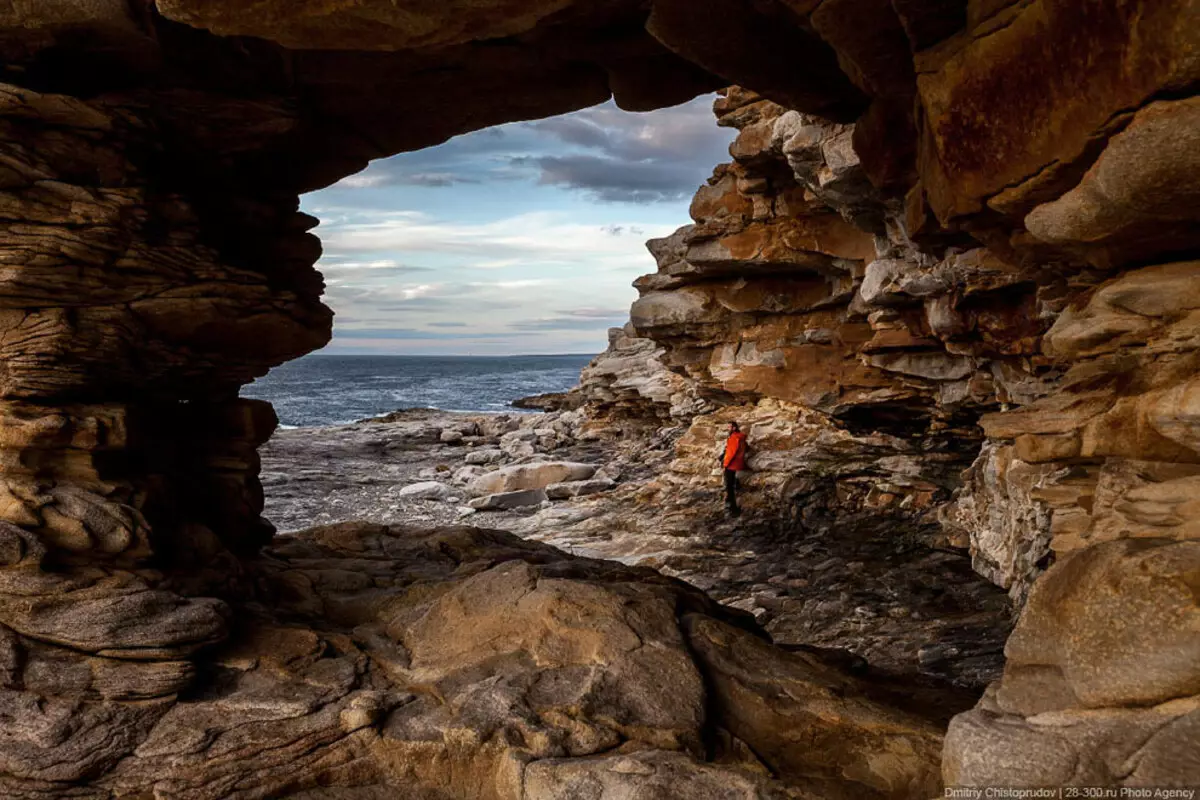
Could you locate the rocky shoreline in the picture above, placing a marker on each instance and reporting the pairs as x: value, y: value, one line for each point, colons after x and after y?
x: 888, y: 595
x: 948, y: 284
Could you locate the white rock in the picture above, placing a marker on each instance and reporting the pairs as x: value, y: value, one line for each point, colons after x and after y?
x: 451, y: 436
x: 494, y: 427
x: 518, y: 444
x: 427, y: 490
x: 680, y: 307
x: 464, y: 475
x: 889, y: 281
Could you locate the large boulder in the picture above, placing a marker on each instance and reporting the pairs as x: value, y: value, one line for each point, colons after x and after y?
x: 1102, y: 684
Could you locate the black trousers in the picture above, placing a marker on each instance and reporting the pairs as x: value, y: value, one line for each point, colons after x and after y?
x: 731, y: 489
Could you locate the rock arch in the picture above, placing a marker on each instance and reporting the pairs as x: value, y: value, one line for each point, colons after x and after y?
x: 153, y: 260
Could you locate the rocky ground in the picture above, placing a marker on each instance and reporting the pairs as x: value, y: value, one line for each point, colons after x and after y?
x: 879, y: 592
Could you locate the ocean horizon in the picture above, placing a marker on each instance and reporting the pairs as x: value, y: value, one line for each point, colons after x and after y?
x: 329, y: 389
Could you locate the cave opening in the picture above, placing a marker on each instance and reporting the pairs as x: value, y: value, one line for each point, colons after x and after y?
x: 997, y: 204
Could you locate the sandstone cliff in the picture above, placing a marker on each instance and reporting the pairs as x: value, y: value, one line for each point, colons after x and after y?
x: 954, y: 233
x: 1022, y: 400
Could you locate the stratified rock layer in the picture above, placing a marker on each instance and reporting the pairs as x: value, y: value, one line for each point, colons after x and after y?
x: 938, y: 214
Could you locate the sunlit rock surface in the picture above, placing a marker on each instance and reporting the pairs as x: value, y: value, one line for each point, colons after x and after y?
x: 445, y: 662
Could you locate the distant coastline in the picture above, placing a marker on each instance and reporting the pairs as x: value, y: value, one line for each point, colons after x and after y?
x: 447, y: 355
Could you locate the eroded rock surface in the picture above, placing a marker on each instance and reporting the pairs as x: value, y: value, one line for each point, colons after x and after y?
x: 448, y: 662
x: 952, y: 235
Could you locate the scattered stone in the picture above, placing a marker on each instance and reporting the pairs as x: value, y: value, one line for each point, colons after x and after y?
x: 487, y: 456
x: 464, y: 475
x: 518, y: 444
x: 503, y: 501
x: 427, y: 490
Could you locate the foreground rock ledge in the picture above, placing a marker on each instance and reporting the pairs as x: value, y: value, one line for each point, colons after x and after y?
x: 371, y: 661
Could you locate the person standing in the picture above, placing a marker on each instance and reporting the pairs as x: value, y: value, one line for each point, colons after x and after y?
x: 733, y: 461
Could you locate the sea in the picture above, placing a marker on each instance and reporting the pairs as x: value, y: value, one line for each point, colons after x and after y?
x: 333, y: 390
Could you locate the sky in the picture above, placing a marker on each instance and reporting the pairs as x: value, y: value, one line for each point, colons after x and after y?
x: 523, y: 238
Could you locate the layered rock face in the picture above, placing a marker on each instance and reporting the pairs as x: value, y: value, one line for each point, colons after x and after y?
x: 856, y: 361
x: 862, y: 334
x: 628, y: 382
x: 938, y: 213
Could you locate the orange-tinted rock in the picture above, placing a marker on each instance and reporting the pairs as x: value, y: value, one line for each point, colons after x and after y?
x: 1018, y: 100
x: 1139, y: 200
x: 861, y: 307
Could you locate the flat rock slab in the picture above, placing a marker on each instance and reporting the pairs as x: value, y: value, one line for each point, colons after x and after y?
x: 502, y: 501
x: 427, y: 490
x: 569, y: 489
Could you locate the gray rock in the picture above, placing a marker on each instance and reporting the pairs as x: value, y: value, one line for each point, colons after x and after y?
x: 518, y: 444
x: 568, y: 489
x: 507, y: 500
x: 464, y: 475
x: 488, y: 456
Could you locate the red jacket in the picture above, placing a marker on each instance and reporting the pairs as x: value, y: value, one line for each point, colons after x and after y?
x: 735, y: 451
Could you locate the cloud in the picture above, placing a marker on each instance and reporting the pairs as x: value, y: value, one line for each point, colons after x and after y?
x: 473, y: 158
x: 576, y: 319
x: 522, y: 238
x: 610, y: 181
x: 373, y: 270
x: 570, y: 323
x: 621, y: 230
x: 685, y: 132
x: 610, y: 155
x: 615, y: 156
x: 518, y: 284
x: 544, y: 237
x: 595, y: 313
x: 380, y: 177
x: 412, y: 334
x: 554, y: 279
